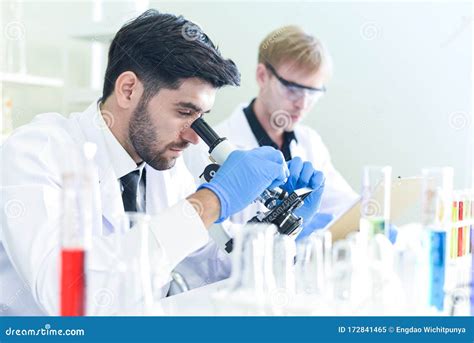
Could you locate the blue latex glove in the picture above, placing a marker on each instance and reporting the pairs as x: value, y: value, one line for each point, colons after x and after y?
x: 319, y: 221
x: 302, y: 174
x: 244, y: 176
x: 392, y: 233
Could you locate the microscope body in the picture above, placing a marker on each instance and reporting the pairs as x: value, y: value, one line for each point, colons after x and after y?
x: 280, y: 204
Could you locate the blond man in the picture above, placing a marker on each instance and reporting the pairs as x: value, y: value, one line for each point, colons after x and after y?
x: 292, y: 71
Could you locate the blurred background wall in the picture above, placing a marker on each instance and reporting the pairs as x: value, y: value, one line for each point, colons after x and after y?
x: 401, y: 93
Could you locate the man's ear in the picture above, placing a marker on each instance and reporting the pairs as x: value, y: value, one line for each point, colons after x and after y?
x: 261, y: 75
x: 128, y: 90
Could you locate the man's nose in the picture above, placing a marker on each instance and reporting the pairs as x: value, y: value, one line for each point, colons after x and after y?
x: 189, y: 135
x: 302, y: 102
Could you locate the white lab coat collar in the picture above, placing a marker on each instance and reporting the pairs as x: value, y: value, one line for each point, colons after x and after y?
x: 244, y: 137
x: 121, y: 161
x: 93, y: 127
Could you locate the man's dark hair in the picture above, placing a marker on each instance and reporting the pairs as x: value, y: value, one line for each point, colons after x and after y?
x: 163, y: 49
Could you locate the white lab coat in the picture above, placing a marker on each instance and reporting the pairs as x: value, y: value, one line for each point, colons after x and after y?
x: 31, y: 167
x: 337, y: 196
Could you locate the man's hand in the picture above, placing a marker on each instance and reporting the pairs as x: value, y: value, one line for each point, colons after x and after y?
x: 319, y: 221
x: 244, y: 176
x: 302, y: 174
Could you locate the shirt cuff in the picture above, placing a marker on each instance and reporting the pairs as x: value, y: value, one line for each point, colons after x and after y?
x: 179, y: 231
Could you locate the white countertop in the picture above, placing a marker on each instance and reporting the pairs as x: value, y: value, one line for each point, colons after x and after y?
x: 203, y: 302
x: 196, y: 302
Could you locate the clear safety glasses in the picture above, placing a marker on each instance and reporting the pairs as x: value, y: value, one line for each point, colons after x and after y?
x: 294, y: 91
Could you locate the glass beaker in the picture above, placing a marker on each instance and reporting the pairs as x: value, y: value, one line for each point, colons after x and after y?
x: 252, y: 270
x: 311, y: 265
x: 134, y: 281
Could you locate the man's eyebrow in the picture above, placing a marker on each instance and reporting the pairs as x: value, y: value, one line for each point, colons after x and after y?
x: 191, y: 106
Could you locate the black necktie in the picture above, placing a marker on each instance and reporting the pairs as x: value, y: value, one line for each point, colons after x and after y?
x: 130, y: 184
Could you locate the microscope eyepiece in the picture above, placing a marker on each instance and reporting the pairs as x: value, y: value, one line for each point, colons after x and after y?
x: 208, y: 135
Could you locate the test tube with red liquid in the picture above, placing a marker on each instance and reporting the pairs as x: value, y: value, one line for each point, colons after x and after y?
x: 76, y: 221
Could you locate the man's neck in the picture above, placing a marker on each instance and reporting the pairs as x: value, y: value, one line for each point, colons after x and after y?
x: 111, y: 115
x: 264, y: 119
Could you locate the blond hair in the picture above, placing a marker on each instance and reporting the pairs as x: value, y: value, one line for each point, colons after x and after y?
x: 292, y: 44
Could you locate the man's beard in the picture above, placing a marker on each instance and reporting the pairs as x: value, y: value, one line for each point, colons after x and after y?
x: 143, y: 137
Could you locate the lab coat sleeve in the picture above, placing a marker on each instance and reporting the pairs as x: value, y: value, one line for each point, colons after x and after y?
x: 196, y: 158
x: 31, y: 197
x: 30, y: 229
x: 208, y: 263
x: 188, y: 234
x: 338, y: 195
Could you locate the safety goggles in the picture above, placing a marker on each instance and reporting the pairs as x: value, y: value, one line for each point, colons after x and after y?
x: 294, y: 91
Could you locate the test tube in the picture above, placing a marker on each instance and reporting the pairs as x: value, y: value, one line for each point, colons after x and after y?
x: 467, y: 219
x: 470, y: 217
x: 72, y: 254
x: 411, y: 266
x: 375, y: 205
x: 470, y: 208
x: 472, y: 273
x: 360, y: 264
x: 437, y: 188
x: 385, y: 284
x: 453, y: 238
x: 342, y: 272
x: 284, y: 251
x: 471, y: 220
x: 76, y: 229
x: 460, y: 227
x: 310, y: 266
x: 132, y: 275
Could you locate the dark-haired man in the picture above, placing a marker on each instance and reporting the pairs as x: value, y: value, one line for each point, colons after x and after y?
x: 158, y: 81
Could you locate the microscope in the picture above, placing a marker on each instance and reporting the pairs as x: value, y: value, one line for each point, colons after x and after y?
x: 280, y: 204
